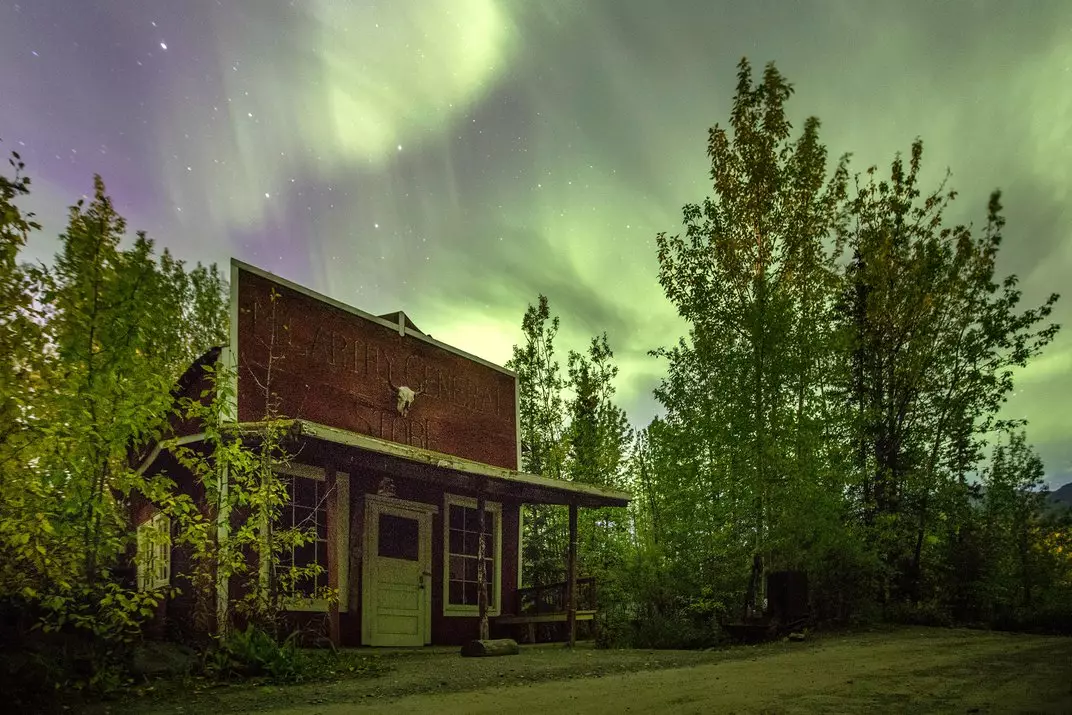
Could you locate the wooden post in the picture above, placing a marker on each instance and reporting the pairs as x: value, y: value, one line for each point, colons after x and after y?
x: 332, y: 498
x: 571, y: 579
x: 481, y: 577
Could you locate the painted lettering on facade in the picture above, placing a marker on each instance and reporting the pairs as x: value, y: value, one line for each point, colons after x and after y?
x: 342, y: 370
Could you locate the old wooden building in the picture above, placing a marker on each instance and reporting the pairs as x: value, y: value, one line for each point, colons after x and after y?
x: 398, y: 440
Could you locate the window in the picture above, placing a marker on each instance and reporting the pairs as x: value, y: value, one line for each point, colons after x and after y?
x: 153, y: 558
x: 399, y: 538
x: 461, y: 545
x: 307, y: 509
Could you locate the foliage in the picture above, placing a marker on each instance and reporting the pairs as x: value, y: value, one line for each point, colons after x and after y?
x: 745, y: 449
x: 830, y: 409
x: 92, y: 346
x: 543, y: 450
x: 933, y: 337
x: 254, y: 652
x: 570, y: 429
x: 237, y: 537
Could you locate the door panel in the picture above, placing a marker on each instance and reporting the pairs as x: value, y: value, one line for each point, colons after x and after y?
x: 397, y: 596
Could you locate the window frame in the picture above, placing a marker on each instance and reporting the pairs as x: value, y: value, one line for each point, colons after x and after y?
x: 495, y: 590
x: 150, y: 549
x: 342, y: 558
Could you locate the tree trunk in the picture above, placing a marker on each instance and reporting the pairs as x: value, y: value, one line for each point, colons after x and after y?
x: 481, y: 577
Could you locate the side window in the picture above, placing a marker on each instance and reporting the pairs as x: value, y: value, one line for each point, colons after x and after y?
x: 461, y: 532
x: 307, y: 510
x: 154, y: 553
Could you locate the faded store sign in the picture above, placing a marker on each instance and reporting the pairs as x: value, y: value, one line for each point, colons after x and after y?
x: 336, y: 368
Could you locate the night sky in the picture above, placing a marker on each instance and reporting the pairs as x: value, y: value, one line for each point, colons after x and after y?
x: 453, y: 158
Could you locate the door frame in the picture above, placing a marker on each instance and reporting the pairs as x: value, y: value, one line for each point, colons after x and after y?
x: 374, y: 504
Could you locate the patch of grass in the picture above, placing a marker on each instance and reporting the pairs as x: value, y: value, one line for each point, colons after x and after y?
x: 197, y: 692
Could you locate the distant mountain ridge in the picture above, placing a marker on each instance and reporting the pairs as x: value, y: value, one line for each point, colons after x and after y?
x: 1055, y: 502
x: 1060, y: 498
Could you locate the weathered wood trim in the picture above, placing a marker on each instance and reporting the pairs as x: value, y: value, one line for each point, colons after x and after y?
x: 525, y: 487
x: 402, y: 503
x: 571, y: 588
x: 520, y: 542
x: 589, y: 494
x: 231, y: 361
x: 517, y: 421
x: 334, y: 557
x: 166, y: 444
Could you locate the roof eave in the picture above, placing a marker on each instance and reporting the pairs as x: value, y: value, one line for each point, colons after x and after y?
x: 581, y: 494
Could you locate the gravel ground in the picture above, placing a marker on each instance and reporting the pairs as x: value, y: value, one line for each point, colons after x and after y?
x: 907, y: 670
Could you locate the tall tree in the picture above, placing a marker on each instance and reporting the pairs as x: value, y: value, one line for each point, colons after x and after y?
x: 933, y: 340
x: 24, y: 367
x: 753, y: 276
x: 92, y: 346
x: 120, y: 323
x: 598, y: 437
x: 543, y: 451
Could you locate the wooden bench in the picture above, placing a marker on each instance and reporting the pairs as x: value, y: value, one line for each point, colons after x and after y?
x: 531, y: 620
x: 547, y: 604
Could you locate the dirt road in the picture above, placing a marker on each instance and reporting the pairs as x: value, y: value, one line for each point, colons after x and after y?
x: 912, y: 670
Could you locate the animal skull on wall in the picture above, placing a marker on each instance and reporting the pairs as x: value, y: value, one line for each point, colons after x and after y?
x: 406, y: 396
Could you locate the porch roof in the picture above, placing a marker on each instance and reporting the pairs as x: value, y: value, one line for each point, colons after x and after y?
x: 412, y: 462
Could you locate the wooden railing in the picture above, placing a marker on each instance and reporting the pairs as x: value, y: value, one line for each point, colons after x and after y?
x: 552, y: 598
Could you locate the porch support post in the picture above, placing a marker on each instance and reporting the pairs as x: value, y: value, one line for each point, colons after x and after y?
x: 481, y: 576
x: 571, y: 579
x: 334, y: 531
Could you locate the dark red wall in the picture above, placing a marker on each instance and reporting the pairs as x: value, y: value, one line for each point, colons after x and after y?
x: 336, y: 368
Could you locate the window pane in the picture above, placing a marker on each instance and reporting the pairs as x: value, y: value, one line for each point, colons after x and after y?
x: 471, y: 543
x: 470, y: 569
x: 303, y: 517
x: 457, y: 595
x: 304, y: 587
x: 457, y: 517
x: 304, y: 491
x: 457, y: 568
x: 470, y: 593
x: 304, y: 555
x: 457, y: 541
x: 399, y: 537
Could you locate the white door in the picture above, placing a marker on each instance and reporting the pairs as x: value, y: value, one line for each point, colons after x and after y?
x: 397, y: 572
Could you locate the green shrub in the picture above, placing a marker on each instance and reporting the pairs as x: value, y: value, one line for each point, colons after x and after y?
x: 253, y: 652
